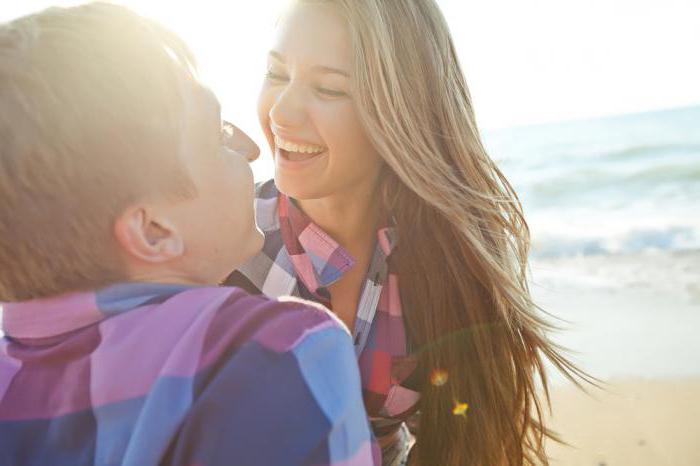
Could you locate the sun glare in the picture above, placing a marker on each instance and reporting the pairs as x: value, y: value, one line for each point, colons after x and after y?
x: 525, y: 63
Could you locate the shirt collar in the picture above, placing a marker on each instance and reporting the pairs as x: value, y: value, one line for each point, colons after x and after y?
x: 42, y: 318
x: 317, y: 258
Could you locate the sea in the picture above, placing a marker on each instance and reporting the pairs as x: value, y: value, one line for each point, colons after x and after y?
x: 602, y: 186
x: 614, y: 209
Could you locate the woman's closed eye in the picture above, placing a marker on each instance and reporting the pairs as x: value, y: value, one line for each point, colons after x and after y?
x: 323, y: 91
x: 330, y: 92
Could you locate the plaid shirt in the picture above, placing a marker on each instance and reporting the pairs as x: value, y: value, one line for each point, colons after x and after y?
x: 149, y: 374
x: 300, y: 259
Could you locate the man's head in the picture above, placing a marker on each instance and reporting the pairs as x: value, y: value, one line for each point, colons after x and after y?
x: 113, y: 163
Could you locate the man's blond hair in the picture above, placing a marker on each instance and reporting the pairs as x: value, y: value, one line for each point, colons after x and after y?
x: 92, y: 106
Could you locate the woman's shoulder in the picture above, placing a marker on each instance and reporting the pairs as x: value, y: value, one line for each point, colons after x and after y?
x: 253, y: 275
x: 266, y: 189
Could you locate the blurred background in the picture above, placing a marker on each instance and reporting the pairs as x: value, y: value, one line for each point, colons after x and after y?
x: 592, y: 109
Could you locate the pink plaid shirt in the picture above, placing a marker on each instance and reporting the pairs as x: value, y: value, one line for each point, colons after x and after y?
x: 300, y: 259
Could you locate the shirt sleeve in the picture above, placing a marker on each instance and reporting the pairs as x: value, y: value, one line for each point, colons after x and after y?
x: 263, y: 406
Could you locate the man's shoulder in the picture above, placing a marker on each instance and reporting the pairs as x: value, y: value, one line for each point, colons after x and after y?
x: 294, y: 378
x: 239, y: 318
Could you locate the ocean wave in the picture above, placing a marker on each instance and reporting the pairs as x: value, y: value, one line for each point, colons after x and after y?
x: 675, y: 173
x: 571, y: 183
x: 648, y: 150
x: 678, y: 238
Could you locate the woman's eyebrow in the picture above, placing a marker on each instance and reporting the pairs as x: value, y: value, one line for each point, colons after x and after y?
x: 317, y: 68
x: 328, y: 69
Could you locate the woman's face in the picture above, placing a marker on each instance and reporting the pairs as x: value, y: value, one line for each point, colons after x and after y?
x: 307, y: 111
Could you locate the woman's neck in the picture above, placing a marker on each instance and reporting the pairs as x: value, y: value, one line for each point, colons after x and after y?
x: 348, y: 217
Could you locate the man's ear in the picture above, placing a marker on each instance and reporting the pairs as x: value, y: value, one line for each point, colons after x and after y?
x: 146, y: 236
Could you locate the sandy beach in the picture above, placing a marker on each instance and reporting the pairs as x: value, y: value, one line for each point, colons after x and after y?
x: 640, y: 422
x: 632, y: 321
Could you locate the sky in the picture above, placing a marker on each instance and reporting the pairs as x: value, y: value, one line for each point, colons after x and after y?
x: 525, y: 62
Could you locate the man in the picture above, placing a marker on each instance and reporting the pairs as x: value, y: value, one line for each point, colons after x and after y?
x: 123, y: 206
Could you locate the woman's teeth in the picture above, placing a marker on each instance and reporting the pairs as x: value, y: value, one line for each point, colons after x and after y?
x: 300, y: 148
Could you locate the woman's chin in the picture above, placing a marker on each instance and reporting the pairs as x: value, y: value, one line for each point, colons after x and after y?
x: 299, y: 186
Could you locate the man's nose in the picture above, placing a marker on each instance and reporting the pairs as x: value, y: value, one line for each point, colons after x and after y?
x: 240, y: 142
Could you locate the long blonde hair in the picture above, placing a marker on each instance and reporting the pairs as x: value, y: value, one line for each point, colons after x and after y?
x: 463, y: 241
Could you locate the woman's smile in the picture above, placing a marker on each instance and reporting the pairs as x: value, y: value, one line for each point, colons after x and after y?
x: 294, y: 160
x: 294, y: 154
x: 298, y: 147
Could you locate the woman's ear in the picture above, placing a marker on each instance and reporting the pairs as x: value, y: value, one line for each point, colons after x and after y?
x: 147, y: 236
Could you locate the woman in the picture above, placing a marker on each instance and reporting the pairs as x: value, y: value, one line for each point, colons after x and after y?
x: 386, y: 208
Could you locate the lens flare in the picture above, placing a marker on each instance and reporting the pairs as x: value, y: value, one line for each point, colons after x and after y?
x: 438, y: 377
x: 460, y: 409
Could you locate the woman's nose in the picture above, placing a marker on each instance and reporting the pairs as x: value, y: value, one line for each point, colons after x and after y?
x: 288, y: 108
